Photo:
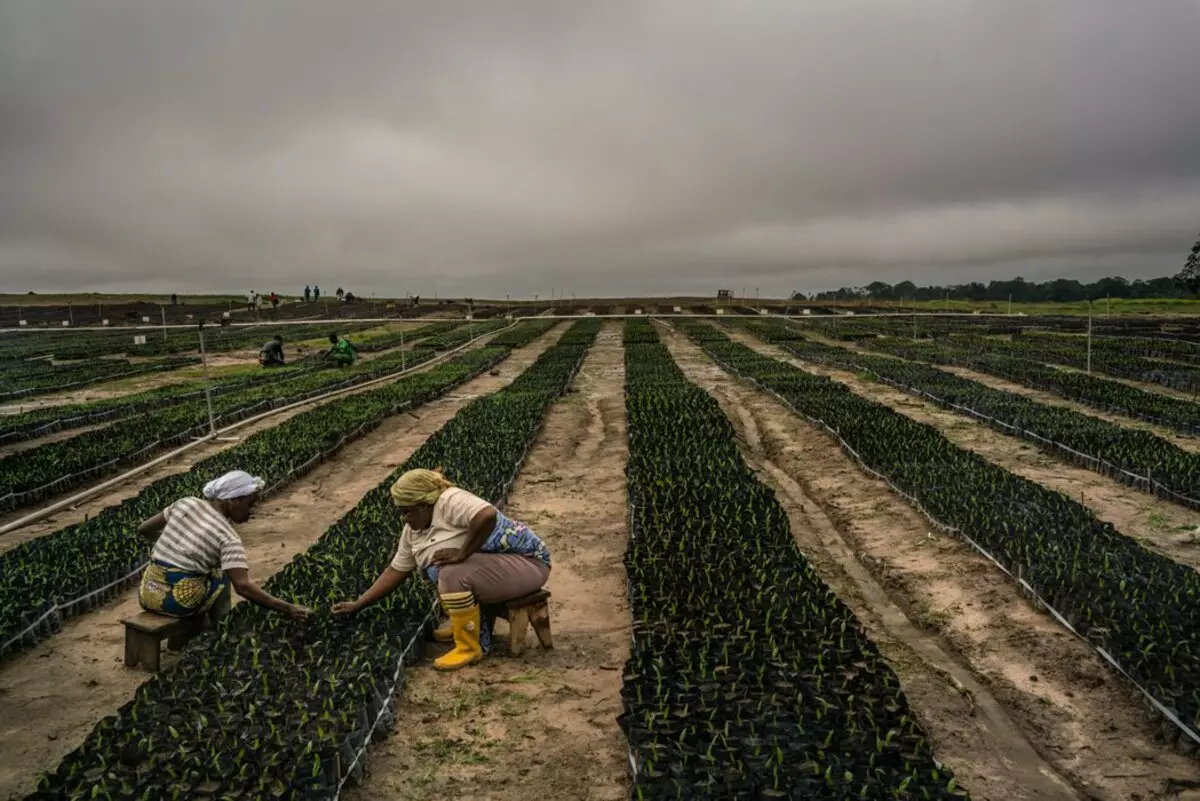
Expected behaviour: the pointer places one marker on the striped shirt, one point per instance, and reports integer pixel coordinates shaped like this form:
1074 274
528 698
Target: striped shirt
199 538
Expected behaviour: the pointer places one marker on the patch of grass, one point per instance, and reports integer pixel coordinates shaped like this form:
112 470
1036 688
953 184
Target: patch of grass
449 751
935 619
1158 521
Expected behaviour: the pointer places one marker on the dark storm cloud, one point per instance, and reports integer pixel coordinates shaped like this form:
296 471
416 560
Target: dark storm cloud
613 147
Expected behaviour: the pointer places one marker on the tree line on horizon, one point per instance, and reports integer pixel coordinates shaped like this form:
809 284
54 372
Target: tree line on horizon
1060 290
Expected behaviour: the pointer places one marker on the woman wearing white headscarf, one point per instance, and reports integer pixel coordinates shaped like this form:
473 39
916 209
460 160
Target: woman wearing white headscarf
198 554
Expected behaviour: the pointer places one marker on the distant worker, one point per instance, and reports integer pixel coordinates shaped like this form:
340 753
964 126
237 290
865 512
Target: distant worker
174 299
472 550
341 352
198 554
307 293
271 354
258 301
274 300
316 292
250 300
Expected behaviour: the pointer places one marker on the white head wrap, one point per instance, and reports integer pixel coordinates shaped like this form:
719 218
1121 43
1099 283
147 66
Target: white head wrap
234 484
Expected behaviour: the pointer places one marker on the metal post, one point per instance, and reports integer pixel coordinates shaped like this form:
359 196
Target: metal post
163 310
1089 339
914 320
403 358
212 424
508 304
1010 304
71 311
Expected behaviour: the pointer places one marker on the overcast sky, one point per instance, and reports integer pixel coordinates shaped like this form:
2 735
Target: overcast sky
613 148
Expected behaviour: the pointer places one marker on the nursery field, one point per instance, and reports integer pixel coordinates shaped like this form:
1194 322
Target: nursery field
794 557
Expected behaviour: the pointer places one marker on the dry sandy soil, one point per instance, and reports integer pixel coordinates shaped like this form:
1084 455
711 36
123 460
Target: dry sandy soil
1157 523
1016 705
52 695
542 725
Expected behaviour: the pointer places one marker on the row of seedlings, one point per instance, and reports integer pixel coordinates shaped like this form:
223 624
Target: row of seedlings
1139 609
217 339
1131 456
269 708
1102 394
748 677
46 580
40 422
47 470
42 380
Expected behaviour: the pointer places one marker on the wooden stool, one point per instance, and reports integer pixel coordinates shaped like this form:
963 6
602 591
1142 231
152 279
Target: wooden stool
520 613
145 631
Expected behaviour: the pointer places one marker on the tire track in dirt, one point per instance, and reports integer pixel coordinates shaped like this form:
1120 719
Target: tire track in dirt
543 725
53 694
182 463
1082 720
970 729
1169 528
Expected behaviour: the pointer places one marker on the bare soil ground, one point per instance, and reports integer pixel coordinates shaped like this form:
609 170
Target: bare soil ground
52 695
131 487
1018 707
543 725
1170 528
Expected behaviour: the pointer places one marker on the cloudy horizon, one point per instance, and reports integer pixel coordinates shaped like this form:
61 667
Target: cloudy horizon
608 149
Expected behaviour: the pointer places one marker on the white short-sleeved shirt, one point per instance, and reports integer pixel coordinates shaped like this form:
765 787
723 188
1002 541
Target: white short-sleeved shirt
199 539
452 515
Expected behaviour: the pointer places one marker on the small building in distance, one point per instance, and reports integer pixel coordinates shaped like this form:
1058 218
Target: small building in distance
725 294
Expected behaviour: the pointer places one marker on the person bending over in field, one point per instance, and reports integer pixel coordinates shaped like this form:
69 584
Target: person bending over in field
198 554
341 351
271 354
471 550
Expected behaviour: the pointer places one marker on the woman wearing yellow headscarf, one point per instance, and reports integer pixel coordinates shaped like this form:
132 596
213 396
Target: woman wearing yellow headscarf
474 552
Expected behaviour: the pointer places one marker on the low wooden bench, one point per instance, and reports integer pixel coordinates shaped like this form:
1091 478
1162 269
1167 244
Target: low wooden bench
145 631
520 613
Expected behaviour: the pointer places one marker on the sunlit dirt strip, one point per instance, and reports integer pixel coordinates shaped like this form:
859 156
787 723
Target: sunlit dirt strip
179 464
1080 716
542 725
1167 527
53 694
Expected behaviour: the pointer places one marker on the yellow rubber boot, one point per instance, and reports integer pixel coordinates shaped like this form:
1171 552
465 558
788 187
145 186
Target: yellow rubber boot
464 622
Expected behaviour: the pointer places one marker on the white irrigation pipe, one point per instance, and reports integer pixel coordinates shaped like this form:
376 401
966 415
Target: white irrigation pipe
112 482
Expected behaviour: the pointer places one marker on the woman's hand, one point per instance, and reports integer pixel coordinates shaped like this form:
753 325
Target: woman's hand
447 556
297 612
345 607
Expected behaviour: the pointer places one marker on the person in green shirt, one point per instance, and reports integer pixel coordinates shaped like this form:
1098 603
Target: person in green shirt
342 352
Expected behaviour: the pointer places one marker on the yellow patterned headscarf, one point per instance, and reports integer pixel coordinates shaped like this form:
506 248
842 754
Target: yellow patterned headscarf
418 487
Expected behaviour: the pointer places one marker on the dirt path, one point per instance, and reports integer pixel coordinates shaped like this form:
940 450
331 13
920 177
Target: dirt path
1050 720
1167 527
542 726
52 695
183 462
